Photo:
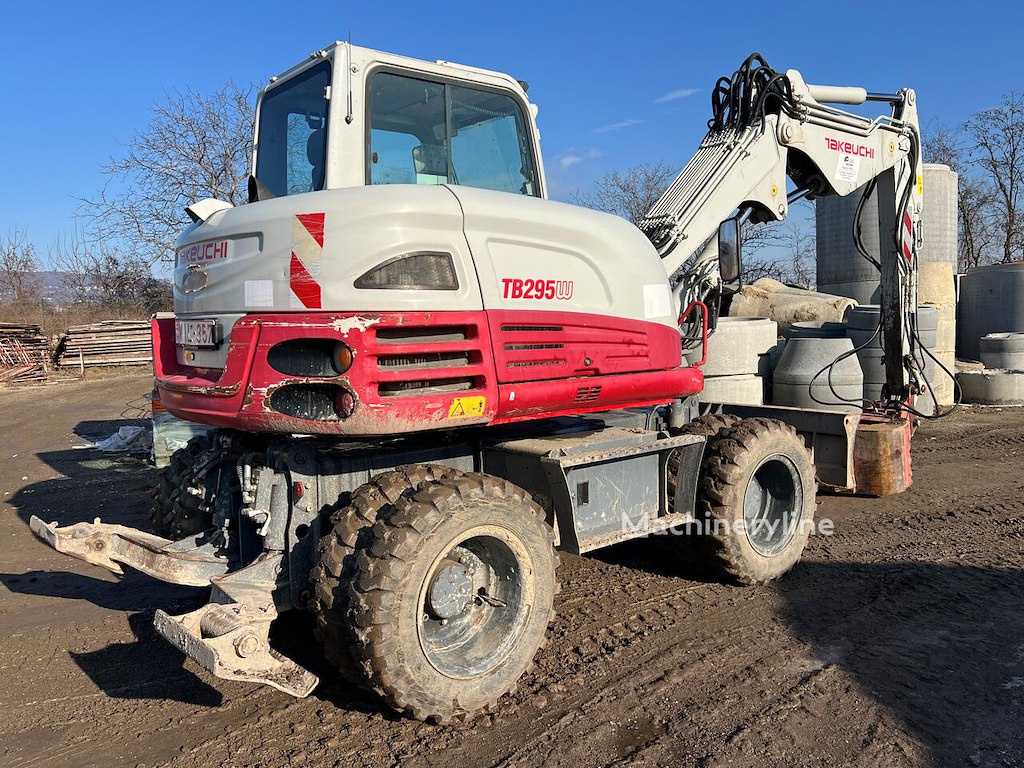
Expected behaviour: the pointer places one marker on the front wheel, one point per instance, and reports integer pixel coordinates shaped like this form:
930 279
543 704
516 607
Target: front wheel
190 483
452 596
757 500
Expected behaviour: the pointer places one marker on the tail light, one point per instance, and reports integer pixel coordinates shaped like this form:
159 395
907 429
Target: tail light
342 358
344 403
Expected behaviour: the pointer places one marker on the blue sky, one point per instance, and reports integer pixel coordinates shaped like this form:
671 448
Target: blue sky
617 83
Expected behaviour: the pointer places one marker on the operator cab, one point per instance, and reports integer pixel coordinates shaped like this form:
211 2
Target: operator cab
353 117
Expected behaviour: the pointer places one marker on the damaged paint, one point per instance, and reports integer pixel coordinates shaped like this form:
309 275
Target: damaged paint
345 325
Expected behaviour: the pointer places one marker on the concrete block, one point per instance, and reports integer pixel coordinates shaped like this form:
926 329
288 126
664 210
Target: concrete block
737 346
745 389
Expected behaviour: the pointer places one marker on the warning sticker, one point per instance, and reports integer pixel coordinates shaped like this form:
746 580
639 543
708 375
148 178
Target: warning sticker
259 293
467 407
848 168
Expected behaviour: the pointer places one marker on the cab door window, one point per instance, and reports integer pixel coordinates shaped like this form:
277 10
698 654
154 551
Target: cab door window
426 132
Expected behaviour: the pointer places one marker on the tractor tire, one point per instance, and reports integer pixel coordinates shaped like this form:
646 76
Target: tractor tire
452 597
336 562
176 513
709 425
756 500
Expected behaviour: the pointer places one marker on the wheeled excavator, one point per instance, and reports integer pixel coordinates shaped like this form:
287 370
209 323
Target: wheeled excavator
427 377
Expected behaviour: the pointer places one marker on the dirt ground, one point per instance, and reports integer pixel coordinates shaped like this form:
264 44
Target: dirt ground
898 641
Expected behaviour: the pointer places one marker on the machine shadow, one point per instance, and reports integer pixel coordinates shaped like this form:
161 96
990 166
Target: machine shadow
94 430
668 553
940 646
116 668
117 488
293 635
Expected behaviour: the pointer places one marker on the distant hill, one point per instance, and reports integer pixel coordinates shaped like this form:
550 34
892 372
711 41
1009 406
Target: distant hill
55 292
52 289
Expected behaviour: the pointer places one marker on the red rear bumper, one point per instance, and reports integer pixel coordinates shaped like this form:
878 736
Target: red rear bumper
412 372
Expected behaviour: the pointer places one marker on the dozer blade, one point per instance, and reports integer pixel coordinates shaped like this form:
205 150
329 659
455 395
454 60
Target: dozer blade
230 635
231 642
108 546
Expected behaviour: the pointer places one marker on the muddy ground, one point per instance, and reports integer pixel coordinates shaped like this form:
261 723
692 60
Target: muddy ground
898 641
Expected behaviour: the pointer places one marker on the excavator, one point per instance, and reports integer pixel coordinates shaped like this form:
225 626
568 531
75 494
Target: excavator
427 377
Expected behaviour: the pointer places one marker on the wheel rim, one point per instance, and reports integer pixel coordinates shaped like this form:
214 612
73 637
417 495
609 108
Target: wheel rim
473 606
772 505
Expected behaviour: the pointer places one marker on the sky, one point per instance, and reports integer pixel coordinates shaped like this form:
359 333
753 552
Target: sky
617 84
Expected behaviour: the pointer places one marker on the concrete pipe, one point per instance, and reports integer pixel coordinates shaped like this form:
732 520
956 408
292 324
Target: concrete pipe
802 377
862 292
940 211
988 387
862 331
815 329
935 284
838 261
1003 351
991 301
793 305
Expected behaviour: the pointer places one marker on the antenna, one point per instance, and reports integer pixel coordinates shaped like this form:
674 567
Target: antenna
349 115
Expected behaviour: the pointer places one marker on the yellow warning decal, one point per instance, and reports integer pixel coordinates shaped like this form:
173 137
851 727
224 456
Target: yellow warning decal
467 407
920 185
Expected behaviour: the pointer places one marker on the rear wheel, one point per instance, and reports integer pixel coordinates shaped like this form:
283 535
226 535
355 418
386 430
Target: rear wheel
756 500
452 596
336 562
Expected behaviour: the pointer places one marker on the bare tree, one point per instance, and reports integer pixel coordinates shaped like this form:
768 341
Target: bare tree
196 146
996 139
630 193
18 279
99 275
800 266
633 192
940 144
979 228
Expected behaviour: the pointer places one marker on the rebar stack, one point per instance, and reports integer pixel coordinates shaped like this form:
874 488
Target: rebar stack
23 353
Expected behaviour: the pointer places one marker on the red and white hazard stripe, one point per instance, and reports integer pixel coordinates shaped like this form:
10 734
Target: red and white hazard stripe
908 238
307 253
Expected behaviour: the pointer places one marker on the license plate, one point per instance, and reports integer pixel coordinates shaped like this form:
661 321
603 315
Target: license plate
199 334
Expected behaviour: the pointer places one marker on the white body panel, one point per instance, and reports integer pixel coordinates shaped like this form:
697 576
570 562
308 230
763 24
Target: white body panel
614 269
611 269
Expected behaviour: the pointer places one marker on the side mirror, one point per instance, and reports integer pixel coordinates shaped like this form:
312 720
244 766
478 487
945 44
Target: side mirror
729 263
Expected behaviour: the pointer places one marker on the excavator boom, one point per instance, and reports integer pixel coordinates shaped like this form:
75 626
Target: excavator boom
768 127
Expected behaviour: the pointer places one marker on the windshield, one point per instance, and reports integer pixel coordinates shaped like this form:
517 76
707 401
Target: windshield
291 149
424 132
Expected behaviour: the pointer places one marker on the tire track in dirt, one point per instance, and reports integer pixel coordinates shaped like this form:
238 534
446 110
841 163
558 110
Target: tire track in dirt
896 642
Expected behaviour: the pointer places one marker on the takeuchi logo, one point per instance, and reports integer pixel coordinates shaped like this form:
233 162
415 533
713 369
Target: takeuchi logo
848 148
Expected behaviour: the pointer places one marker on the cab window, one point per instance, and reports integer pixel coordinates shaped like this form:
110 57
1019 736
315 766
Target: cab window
426 132
291 150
